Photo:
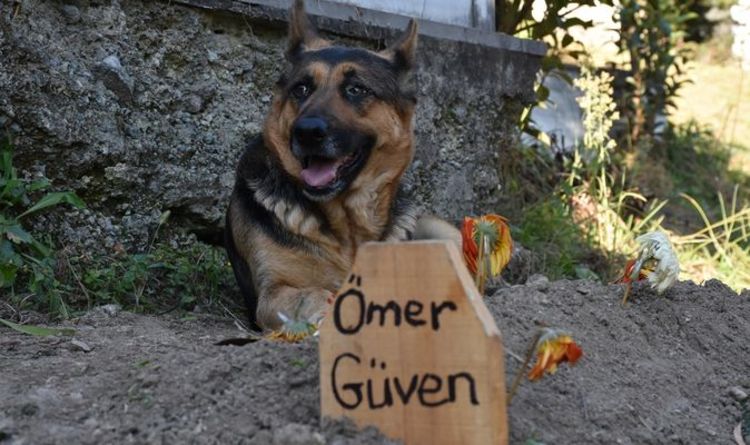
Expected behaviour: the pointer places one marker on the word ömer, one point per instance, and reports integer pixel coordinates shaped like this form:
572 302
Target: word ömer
366 312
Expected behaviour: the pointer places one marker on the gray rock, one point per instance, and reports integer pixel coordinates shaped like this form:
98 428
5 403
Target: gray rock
297 434
537 279
71 13
110 310
81 346
738 393
114 77
194 104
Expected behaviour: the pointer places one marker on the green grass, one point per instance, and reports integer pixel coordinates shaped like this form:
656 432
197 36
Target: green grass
560 246
163 279
703 170
700 164
719 98
721 249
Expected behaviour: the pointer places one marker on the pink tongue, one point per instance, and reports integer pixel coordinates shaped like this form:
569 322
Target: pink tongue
320 173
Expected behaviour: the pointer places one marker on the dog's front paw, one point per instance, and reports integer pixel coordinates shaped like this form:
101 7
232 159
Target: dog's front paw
315 304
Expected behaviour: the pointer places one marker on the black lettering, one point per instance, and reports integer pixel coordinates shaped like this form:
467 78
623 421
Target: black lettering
472 387
406 395
387 396
423 390
437 309
391 305
337 312
411 310
356 388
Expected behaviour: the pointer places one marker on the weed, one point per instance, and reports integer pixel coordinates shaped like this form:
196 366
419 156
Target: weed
591 159
298 363
651 35
599 203
721 249
163 279
699 163
548 230
554 26
60 283
591 218
27 264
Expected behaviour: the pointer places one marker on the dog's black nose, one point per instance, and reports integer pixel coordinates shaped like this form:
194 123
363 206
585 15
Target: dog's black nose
310 131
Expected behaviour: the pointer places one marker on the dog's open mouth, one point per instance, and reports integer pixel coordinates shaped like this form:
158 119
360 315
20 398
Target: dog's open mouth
320 173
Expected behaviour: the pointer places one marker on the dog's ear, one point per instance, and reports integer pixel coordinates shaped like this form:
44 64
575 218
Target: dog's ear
302 34
403 51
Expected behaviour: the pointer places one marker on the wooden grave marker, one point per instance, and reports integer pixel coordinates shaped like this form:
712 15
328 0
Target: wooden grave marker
410 347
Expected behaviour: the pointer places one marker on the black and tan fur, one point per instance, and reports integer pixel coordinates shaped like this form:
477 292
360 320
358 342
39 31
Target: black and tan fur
292 243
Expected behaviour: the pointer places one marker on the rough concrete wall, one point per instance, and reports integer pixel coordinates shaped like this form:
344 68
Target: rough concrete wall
144 106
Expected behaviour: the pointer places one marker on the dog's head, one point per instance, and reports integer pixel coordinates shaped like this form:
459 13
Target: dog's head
341 116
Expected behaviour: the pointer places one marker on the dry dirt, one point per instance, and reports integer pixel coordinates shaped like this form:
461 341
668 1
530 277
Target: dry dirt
670 369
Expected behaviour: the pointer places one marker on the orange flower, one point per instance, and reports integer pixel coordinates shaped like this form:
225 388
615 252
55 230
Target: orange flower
554 347
627 274
287 336
487 246
293 331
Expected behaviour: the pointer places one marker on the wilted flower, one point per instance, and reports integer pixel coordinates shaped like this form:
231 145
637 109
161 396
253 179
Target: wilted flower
487 246
656 263
656 246
554 347
629 276
626 275
292 330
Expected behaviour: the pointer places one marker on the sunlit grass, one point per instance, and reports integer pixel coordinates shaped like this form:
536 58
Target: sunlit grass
721 249
719 97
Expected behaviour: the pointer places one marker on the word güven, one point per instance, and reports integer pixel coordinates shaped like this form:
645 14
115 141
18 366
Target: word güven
428 389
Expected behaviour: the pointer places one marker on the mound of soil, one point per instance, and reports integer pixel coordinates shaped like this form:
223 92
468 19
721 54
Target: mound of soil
665 369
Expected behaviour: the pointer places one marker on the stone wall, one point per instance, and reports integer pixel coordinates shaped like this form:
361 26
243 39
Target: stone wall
144 106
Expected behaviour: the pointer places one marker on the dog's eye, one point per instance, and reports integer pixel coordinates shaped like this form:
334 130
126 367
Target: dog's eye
356 91
301 91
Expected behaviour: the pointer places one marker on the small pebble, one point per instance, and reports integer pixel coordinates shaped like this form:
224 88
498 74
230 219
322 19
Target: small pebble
738 393
81 345
194 104
537 279
71 13
110 309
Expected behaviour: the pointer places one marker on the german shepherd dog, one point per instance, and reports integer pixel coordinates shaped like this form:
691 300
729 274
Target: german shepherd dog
324 177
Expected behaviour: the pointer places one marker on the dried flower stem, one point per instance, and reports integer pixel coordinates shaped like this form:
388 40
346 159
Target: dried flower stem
628 288
522 371
481 268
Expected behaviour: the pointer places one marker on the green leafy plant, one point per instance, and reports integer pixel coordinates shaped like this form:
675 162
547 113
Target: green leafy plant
598 200
26 263
592 158
590 221
162 279
516 17
553 26
559 245
699 163
651 36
